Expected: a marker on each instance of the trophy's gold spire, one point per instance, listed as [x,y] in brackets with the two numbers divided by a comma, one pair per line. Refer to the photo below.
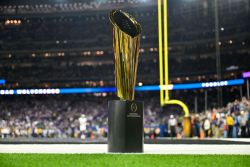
[126,41]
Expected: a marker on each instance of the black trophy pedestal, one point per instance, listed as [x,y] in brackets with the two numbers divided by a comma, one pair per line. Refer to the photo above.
[125,126]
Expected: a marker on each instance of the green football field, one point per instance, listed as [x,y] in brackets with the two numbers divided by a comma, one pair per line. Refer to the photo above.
[121,160]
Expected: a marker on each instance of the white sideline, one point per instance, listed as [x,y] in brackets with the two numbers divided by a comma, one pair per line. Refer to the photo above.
[148,148]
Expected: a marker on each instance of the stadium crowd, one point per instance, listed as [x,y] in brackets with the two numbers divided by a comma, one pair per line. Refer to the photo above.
[72,117]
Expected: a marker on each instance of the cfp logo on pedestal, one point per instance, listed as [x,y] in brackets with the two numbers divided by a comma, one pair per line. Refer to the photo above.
[133,107]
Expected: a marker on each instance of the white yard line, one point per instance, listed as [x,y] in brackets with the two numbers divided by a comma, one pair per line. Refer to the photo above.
[234,139]
[148,148]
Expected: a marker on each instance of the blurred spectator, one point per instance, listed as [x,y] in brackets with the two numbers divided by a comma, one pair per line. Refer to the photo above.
[83,125]
[206,126]
[230,124]
[172,125]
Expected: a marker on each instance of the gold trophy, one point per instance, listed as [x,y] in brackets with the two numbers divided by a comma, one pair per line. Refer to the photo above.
[126,41]
[125,116]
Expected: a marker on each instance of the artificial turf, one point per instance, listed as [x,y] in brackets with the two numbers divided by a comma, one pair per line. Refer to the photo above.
[121,160]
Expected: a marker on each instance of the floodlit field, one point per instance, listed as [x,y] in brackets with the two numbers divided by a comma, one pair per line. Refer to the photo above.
[121,160]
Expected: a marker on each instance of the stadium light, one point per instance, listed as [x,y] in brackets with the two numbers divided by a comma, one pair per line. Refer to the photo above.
[140,84]
[246,74]
[2,81]
[200,85]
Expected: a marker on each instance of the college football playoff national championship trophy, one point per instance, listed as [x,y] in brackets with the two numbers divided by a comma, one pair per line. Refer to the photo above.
[125,116]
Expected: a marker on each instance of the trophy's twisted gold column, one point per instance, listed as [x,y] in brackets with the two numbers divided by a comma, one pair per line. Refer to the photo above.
[126,41]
